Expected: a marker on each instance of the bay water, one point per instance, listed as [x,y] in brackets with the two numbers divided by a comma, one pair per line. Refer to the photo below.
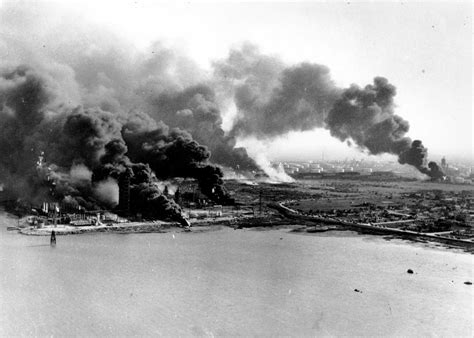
[231,283]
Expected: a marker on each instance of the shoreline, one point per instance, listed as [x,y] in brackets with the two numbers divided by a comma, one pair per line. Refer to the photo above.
[70,230]
[154,226]
[376,230]
[293,224]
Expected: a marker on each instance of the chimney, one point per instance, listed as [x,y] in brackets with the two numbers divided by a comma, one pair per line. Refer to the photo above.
[124,193]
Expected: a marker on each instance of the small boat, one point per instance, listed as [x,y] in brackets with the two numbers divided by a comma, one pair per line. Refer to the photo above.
[13,228]
[317,229]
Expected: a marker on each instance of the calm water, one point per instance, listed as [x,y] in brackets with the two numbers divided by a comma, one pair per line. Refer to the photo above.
[230,282]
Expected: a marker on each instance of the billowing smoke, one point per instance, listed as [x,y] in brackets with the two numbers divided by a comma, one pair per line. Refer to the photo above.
[196,110]
[107,192]
[366,117]
[80,173]
[75,154]
[146,195]
[416,156]
[86,98]
[273,99]
[96,69]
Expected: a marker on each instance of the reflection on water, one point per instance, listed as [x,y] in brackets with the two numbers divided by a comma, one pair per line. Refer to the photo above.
[230,283]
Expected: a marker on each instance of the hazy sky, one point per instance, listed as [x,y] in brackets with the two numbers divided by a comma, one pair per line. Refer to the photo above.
[424,49]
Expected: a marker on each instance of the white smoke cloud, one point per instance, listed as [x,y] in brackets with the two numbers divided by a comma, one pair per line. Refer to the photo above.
[80,173]
[107,192]
[171,186]
[258,150]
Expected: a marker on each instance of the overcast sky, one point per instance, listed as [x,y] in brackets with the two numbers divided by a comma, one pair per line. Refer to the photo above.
[424,49]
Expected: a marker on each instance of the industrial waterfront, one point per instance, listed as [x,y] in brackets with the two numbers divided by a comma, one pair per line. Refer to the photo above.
[420,210]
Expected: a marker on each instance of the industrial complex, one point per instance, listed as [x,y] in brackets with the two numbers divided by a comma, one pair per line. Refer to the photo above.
[321,197]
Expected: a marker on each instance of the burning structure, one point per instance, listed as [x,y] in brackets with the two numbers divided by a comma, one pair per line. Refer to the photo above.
[85,152]
[109,126]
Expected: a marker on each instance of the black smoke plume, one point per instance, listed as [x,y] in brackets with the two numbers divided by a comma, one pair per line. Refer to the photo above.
[47,149]
[196,110]
[273,99]
[366,117]
[416,156]
[90,81]
[95,68]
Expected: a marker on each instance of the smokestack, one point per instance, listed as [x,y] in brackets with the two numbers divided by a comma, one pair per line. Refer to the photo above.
[124,193]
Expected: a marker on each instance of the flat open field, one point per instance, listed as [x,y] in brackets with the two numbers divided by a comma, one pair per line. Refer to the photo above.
[342,193]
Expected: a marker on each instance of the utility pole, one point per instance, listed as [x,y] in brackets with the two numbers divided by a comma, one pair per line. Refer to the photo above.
[260,201]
